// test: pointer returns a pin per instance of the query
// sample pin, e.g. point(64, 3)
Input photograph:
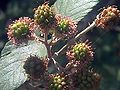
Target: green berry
point(58, 82)
point(20, 30)
point(63, 26)
point(81, 50)
point(44, 15)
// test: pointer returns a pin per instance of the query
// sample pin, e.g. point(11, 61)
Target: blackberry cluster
point(82, 51)
point(35, 67)
point(85, 80)
point(58, 82)
point(76, 75)
point(63, 26)
point(20, 30)
point(44, 15)
point(108, 17)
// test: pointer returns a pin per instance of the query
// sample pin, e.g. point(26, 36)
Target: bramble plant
point(29, 55)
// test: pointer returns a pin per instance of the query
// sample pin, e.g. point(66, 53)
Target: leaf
point(76, 9)
point(12, 74)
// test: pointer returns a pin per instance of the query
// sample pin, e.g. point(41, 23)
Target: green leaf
point(12, 74)
point(76, 9)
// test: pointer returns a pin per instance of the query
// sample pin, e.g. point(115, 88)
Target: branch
point(47, 44)
point(50, 54)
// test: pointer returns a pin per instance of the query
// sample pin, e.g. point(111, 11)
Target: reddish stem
point(47, 45)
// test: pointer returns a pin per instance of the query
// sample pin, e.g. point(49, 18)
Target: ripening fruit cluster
point(63, 26)
point(45, 21)
point(108, 17)
point(78, 75)
point(86, 80)
point(58, 82)
point(80, 55)
point(44, 15)
point(20, 30)
point(82, 76)
point(80, 51)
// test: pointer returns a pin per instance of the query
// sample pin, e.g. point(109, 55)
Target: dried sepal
point(42, 82)
point(109, 17)
point(21, 30)
point(76, 66)
point(35, 67)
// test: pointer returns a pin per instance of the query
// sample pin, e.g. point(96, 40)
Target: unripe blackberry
point(86, 80)
point(108, 17)
point(35, 67)
point(58, 82)
point(80, 51)
point(66, 27)
point(44, 15)
point(79, 56)
point(21, 30)
point(63, 26)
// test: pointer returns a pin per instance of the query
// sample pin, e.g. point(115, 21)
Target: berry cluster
point(21, 30)
point(80, 56)
point(66, 27)
point(82, 51)
point(77, 74)
point(44, 16)
point(45, 21)
point(85, 80)
point(58, 82)
point(108, 17)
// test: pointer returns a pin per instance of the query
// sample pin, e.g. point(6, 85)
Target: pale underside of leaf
point(76, 9)
point(12, 74)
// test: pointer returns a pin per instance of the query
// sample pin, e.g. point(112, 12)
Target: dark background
point(106, 43)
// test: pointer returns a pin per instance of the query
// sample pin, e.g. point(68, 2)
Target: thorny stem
point(47, 45)
point(74, 39)
point(50, 54)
